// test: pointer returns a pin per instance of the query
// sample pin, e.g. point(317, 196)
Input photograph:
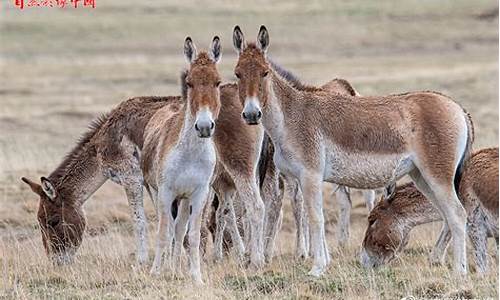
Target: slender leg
point(478, 234)
point(301, 247)
point(445, 198)
point(345, 204)
point(135, 196)
point(311, 186)
point(220, 224)
point(231, 221)
point(438, 253)
point(273, 202)
point(165, 228)
point(180, 226)
point(254, 206)
point(197, 202)
point(369, 196)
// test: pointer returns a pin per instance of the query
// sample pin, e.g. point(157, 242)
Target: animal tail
point(265, 156)
point(467, 151)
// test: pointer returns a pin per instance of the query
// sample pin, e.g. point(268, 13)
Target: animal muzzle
point(252, 113)
point(204, 124)
point(368, 260)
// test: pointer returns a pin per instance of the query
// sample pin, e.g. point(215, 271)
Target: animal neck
point(417, 213)
point(280, 95)
point(79, 177)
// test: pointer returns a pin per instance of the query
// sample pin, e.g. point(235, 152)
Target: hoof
point(316, 272)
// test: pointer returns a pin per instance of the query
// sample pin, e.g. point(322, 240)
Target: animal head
point(385, 235)
point(253, 73)
point(203, 81)
point(62, 223)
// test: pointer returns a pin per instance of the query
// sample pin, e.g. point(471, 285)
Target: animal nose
point(205, 129)
point(252, 117)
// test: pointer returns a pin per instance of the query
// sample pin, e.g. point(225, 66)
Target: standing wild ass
point(391, 221)
point(180, 157)
point(361, 142)
point(342, 195)
point(113, 148)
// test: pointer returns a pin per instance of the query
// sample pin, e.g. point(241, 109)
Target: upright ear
point(263, 39)
point(215, 49)
point(238, 39)
point(35, 187)
point(48, 188)
point(389, 192)
point(190, 52)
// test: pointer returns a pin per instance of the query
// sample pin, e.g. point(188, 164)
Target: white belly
point(365, 170)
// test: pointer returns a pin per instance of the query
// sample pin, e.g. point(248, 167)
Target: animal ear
point(48, 188)
point(190, 52)
point(238, 39)
point(215, 49)
point(263, 39)
point(389, 192)
point(35, 187)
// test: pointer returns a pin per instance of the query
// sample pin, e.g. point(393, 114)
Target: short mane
point(292, 78)
point(60, 172)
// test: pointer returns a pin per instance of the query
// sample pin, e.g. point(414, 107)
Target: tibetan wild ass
point(337, 86)
point(181, 157)
point(394, 217)
point(360, 142)
point(113, 148)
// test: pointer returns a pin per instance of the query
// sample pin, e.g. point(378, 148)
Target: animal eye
point(265, 74)
point(217, 83)
point(53, 222)
point(237, 75)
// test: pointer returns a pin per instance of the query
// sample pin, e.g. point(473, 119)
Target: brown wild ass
point(391, 221)
point(113, 148)
point(319, 136)
point(337, 86)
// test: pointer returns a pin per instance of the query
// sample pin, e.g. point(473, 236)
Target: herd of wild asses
point(251, 142)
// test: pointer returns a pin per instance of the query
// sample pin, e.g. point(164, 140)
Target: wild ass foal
point(319, 136)
point(180, 157)
point(391, 221)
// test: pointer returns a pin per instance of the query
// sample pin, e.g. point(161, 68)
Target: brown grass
point(60, 69)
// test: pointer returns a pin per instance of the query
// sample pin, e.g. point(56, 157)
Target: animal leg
point(369, 196)
point(311, 186)
point(197, 203)
point(180, 226)
point(438, 253)
point(254, 206)
point(165, 228)
point(220, 224)
point(478, 233)
point(233, 225)
point(345, 204)
point(301, 247)
point(445, 198)
point(273, 201)
point(135, 196)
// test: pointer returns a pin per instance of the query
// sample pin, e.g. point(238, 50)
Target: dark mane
point(61, 171)
point(292, 78)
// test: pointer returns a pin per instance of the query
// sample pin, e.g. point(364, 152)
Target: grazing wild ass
point(113, 148)
point(361, 142)
point(391, 221)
